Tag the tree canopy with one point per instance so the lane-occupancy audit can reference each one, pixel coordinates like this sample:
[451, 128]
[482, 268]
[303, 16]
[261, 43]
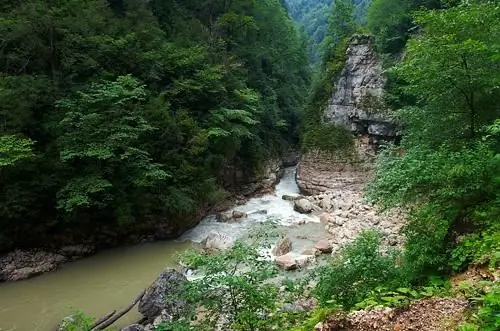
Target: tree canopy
[120, 113]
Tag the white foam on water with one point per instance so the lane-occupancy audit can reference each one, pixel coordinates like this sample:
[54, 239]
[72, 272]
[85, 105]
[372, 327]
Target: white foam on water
[276, 209]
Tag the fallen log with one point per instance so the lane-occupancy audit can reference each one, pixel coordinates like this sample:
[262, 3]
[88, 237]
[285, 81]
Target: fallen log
[102, 319]
[113, 317]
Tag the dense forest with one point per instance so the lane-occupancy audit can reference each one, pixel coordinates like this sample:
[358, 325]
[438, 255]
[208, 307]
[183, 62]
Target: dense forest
[122, 112]
[313, 18]
[117, 114]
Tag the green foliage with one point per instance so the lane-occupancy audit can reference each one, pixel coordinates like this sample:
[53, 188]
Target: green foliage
[319, 315]
[139, 110]
[445, 171]
[403, 296]
[317, 135]
[358, 269]
[14, 149]
[78, 321]
[477, 249]
[391, 23]
[487, 316]
[315, 19]
[328, 138]
[233, 288]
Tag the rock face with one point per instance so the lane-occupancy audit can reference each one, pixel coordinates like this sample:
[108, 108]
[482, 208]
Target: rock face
[165, 296]
[357, 102]
[21, 264]
[283, 246]
[356, 105]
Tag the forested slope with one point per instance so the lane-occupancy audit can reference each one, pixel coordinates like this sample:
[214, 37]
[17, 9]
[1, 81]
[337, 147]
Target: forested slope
[313, 17]
[118, 112]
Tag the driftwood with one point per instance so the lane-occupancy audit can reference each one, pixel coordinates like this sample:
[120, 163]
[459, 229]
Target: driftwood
[102, 319]
[112, 317]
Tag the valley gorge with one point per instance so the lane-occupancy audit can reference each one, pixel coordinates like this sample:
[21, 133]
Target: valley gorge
[294, 165]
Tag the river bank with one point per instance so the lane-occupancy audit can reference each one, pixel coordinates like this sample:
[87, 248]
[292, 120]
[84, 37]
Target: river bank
[22, 264]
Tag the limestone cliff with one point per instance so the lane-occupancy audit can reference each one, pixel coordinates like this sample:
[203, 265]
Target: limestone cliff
[356, 105]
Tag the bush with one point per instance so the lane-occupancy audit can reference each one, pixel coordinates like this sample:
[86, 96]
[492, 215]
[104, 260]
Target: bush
[487, 317]
[359, 268]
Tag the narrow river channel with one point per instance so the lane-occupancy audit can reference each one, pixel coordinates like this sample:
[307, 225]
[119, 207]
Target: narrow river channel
[111, 279]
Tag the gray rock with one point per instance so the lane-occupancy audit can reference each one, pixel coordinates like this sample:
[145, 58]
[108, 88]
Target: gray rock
[165, 296]
[283, 246]
[303, 206]
[225, 216]
[291, 261]
[291, 197]
[217, 241]
[357, 103]
[239, 214]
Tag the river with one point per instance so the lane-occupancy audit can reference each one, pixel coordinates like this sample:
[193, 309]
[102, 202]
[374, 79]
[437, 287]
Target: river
[111, 279]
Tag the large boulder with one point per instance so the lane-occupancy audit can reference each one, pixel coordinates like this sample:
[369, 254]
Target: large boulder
[239, 214]
[303, 206]
[216, 241]
[286, 262]
[165, 296]
[283, 246]
[324, 246]
[225, 216]
[291, 261]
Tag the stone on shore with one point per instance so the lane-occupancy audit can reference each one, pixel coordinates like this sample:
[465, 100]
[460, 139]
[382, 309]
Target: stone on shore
[324, 246]
[216, 241]
[20, 264]
[283, 246]
[303, 206]
[291, 261]
[165, 296]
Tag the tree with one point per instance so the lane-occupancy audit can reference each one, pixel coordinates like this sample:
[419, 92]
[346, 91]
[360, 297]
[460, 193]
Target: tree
[444, 170]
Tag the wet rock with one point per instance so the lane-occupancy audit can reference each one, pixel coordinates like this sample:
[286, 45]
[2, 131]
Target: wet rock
[283, 246]
[165, 296]
[324, 246]
[239, 214]
[291, 197]
[258, 212]
[303, 206]
[133, 327]
[217, 241]
[19, 265]
[225, 216]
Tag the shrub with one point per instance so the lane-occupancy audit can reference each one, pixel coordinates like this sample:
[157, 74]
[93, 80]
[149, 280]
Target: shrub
[359, 268]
